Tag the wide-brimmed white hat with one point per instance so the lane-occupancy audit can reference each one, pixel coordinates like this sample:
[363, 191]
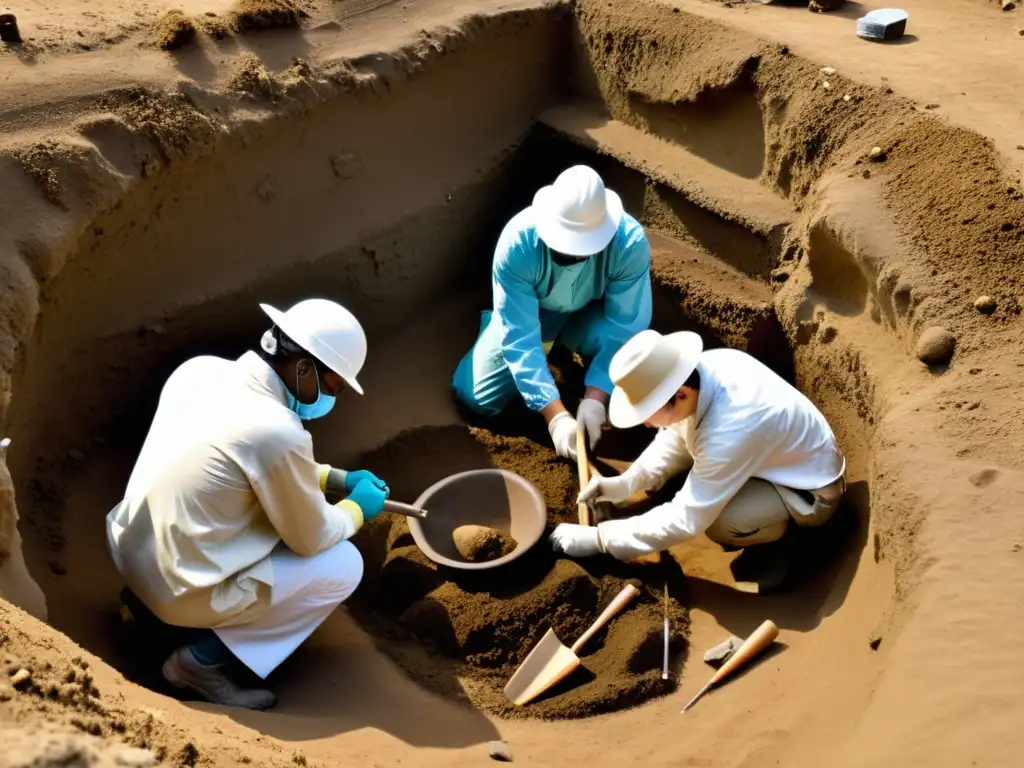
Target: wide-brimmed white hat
[576, 215]
[647, 370]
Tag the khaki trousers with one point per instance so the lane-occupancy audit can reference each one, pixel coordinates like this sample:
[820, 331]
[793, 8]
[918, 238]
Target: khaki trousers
[761, 512]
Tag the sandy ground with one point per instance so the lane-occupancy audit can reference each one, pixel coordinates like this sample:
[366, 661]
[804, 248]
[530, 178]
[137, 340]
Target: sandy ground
[901, 650]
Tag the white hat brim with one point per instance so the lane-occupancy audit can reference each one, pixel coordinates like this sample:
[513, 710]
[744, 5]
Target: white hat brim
[280, 319]
[571, 242]
[625, 415]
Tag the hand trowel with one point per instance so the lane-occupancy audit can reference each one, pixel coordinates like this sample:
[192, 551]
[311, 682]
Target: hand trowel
[550, 661]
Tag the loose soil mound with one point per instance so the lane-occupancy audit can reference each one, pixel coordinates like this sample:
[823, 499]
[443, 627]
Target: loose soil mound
[463, 634]
[478, 543]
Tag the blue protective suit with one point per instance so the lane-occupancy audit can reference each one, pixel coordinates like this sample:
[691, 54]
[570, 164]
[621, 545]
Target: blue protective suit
[591, 306]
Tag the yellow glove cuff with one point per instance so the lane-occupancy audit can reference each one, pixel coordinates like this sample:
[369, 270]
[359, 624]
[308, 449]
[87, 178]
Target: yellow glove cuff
[323, 470]
[354, 511]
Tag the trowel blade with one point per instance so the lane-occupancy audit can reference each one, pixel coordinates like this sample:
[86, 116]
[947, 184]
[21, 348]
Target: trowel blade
[549, 662]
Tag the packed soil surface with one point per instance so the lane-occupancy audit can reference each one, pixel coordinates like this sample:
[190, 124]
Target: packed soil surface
[166, 167]
[463, 633]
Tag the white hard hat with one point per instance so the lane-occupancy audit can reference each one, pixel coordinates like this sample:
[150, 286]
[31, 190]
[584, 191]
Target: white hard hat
[647, 370]
[327, 331]
[576, 215]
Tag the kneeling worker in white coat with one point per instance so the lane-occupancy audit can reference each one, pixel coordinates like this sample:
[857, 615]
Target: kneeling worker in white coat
[225, 525]
[760, 454]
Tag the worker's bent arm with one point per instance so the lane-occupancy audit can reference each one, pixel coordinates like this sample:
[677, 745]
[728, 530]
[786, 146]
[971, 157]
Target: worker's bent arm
[627, 305]
[665, 457]
[518, 311]
[717, 475]
[289, 491]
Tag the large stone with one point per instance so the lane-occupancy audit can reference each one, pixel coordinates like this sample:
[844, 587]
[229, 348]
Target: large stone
[935, 346]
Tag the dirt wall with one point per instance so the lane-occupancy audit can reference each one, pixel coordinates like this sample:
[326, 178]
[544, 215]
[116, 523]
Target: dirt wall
[378, 180]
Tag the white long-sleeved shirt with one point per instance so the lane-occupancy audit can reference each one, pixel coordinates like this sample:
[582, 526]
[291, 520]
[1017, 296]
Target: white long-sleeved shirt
[225, 474]
[749, 423]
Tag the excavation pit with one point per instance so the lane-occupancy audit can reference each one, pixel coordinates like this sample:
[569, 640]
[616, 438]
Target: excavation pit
[151, 230]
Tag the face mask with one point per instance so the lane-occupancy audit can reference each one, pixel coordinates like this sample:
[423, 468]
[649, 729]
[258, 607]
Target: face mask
[309, 411]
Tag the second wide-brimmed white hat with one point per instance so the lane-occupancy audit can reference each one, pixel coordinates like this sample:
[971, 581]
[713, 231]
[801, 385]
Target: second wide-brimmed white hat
[647, 371]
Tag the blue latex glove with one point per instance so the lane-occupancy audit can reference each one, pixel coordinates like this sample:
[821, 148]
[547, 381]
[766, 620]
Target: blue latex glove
[355, 477]
[370, 498]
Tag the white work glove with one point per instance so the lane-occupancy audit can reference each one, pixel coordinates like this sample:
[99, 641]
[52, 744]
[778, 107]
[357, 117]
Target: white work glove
[576, 540]
[613, 489]
[562, 429]
[592, 415]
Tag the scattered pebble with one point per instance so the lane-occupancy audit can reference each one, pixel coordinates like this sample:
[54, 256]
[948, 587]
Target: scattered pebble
[874, 640]
[935, 346]
[825, 84]
[721, 652]
[878, 155]
[983, 477]
[499, 751]
[57, 568]
[265, 191]
[1007, 5]
[931, 106]
[985, 304]
[133, 757]
[6, 692]
[20, 677]
[828, 71]
[846, 97]
[1016, 547]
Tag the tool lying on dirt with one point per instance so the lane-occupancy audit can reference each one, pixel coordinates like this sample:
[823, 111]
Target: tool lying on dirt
[583, 467]
[754, 645]
[551, 662]
[396, 506]
[664, 660]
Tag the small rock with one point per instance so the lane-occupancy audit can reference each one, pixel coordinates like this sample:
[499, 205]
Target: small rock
[1016, 547]
[866, 173]
[265, 191]
[133, 757]
[57, 568]
[21, 677]
[1007, 5]
[498, 750]
[874, 640]
[931, 106]
[826, 85]
[846, 97]
[878, 155]
[723, 651]
[985, 304]
[935, 346]
[983, 477]
[828, 70]
[6, 692]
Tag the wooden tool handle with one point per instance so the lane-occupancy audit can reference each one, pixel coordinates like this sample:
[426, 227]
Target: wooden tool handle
[758, 641]
[583, 468]
[621, 601]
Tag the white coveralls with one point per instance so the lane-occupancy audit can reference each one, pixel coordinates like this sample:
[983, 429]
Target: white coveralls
[753, 442]
[223, 524]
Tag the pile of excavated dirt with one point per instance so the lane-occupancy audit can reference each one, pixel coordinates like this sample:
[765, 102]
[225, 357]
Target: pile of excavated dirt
[480, 544]
[463, 633]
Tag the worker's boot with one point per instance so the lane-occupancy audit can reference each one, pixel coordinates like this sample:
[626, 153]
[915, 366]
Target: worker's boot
[764, 568]
[182, 670]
